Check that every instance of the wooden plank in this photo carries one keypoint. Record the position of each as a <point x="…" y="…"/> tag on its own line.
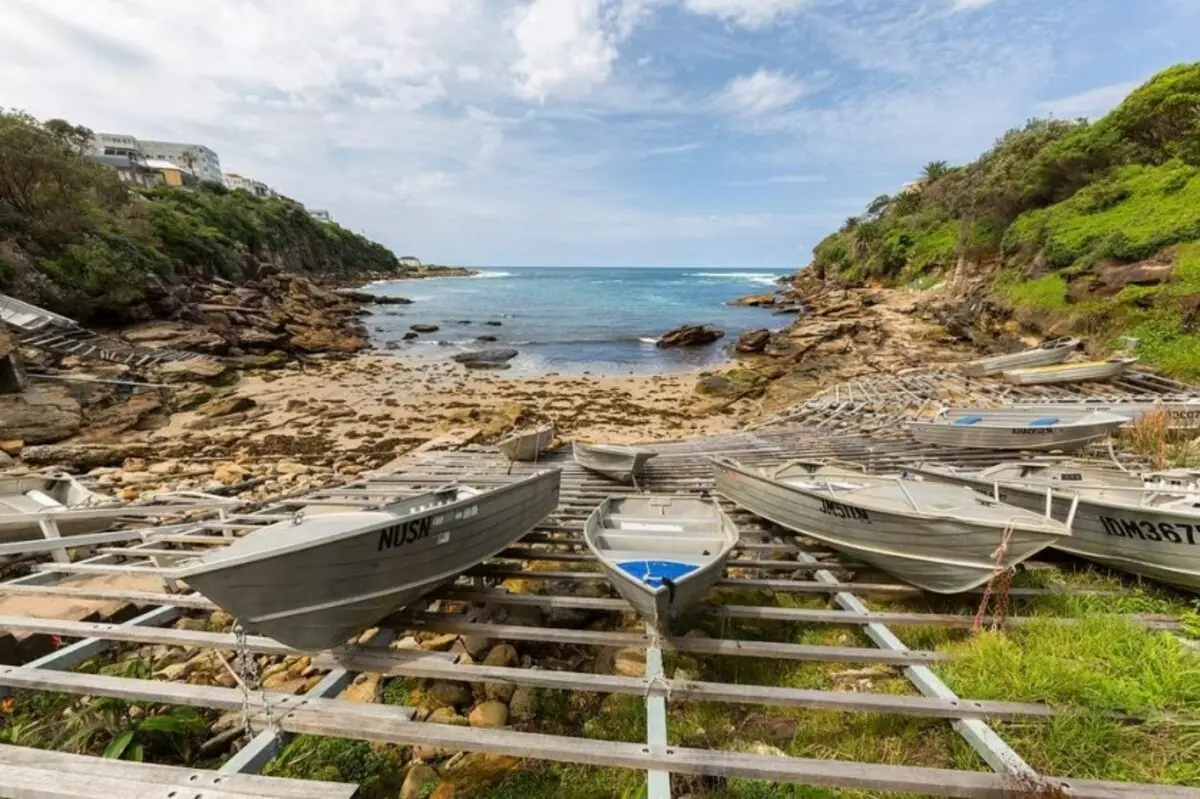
<point x="194" y="601"/>
<point x="383" y="724"/>
<point x="155" y="779"/>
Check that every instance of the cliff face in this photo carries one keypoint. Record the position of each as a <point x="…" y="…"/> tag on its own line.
<point x="75" y="240"/>
<point x="1061" y="227"/>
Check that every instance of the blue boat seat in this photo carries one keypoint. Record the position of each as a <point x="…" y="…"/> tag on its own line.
<point x="1045" y="421"/>
<point x="966" y="420"/>
<point x="653" y="572"/>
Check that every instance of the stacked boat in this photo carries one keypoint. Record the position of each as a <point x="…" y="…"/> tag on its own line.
<point x="317" y="580"/>
<point x="1047" y="353"/>
<point x="944" y="539"/>
<point x="1066" y="428"/>
<point x="1149" y="526"/>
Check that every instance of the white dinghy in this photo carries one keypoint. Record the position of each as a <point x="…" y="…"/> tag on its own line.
<point x="1070" y="372"/>
<point x="620" y="463"/>
<point x="527" y="445"/>
<point x="939" y="538"/>
<point x="1047" y="353"/>
<point x="1066" y="429"/>
<point x="661" y="552"/>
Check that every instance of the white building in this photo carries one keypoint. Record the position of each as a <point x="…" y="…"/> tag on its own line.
<point x="410" y="260"/>
<point x="233" y="180"/>
<point x="116" y="144"/>
<point x="200" y="160"/>
<point x="320" y="214"/>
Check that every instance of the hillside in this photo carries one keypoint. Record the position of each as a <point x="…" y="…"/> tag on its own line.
<point x="76" y="240"/>
<point x="1090" y="228"/>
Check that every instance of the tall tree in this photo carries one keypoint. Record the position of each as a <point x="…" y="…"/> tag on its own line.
<point x="934" y="170"/>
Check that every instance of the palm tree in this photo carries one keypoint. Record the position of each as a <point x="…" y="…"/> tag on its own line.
<point x="849" y="224"/>
<point x="934" y="170"/>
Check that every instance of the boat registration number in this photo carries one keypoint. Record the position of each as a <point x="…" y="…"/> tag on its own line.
<point x="831" y="508"/>
<point x="1032" y="431"/>
<point x="1175" y="533"/>
<point x="404" y="533"/>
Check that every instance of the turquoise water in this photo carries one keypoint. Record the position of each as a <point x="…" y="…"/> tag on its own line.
<point x="570" y="320"/>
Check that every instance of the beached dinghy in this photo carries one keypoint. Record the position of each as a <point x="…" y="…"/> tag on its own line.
<point x="1050" y="352"/>
<point x="25" y="500"/>
<point x="527" y="445"/>
<point x="314" y="582"/>
<point x="1183" y="413"/>
<point x="1070" y="372"/>
<point x="662" y="553"/>
<point x="1148" y="526"/>
<point x="1005" y="428"/>
<point x="939" y="538"/>
<point x="619" y="463"/>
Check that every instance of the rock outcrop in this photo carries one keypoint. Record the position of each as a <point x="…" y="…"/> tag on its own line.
<point x="40" y="415"/>
<point x="690" y="336"/>
<point x="424" y="328"/>
<point x="486" y="359"/>
<point x="753" y="341"/>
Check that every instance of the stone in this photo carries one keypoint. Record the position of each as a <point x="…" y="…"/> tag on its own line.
<point x="471" y="774"/>
<point x="493" y="323"/>
<point x="489" y="714"/>
<point x="258" y="338"/>
<point x="225" y="406"/>
<point x="443" y="693"/>
<point x="491" y="356"/>
<point x="753" y="341"/>
<point x="365" y="688"/>
<point x="5" y="459"/>
<point x="502" y="655"/>
<point x="12" y="446"/>
<point x="440" y="643"/>
<point x="477" y="646"/>
<point x="447" y="715"/>
<point x="690" y="336"/>
<point x="424" y="328"/>
<point x="229" y="473"/>
<point x="134" y="413"/>
<point x="175" y="336"/>
<point x="374" y="299"/>
<point x="486" y="337"/>
<point x="409" y="336"/>
<point x="418" y="781"/>
<point x="755" y="300"/>
<point x="40" y="415"/>
<point x="196" y="370"/>
<point x="81" y="456"/>
<point x="522" y="705"/>
<point x="630" y="662"/>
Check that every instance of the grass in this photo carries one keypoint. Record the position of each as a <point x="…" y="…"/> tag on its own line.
<point x="1047" y="293"/>
<point x="1151" y="437"/>
<point x="377" y="768"/>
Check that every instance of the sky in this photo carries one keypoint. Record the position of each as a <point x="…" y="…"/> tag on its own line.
<point x="584" y="132"/>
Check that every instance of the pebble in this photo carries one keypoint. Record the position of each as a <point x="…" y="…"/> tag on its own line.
<point x="489" y="714"/>
<point x="419" y="779"/>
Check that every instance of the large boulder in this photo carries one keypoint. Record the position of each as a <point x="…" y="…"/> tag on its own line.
<point x="755" y="300"/>
<point x="175" y="336"/>
<point x="196" y="370"/>
<point x="374" y="299"/>
<point x="690" y="336"/>
<point x="140" y="412"/>
<point x="753" y="341"/>
<point x="40" y="415"/>
<point x="424" y="328"/>
<point x="82" y="456"/>
<point x="485" y="358"/>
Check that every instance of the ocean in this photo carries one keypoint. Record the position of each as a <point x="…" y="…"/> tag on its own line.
<point x="574" y="319"/>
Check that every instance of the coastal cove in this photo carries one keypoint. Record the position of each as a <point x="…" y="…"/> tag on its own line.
<point x="603" y="320"/>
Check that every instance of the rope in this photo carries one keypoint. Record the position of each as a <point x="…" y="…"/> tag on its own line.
<point x="997" y="585"/>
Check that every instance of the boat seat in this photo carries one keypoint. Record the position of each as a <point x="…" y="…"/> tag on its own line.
<point x="624" y="522"/>
<point x="622" y="555"/>
<point x="661" y="530"/>
<point x="1045" y="421"/>
<point x="646" y="544"/>
<point x="25" y="504"/>
<point x="968" y="420"/>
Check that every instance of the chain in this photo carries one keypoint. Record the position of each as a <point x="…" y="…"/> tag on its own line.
<point x="248" y="671"/>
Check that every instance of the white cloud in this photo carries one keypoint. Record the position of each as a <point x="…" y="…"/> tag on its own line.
<point x="469" y="73"/>
<point x="760" y="93"/>
<point x="563" y="48"/>
<point x="674" y="149"/>
<point x="1091" y="103"/>
<point x="968" y="5"/>
<point x="747" y="13"/>
<point x="778" y="180"/>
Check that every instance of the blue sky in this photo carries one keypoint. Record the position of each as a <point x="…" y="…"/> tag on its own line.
<point x="580" y="132"/>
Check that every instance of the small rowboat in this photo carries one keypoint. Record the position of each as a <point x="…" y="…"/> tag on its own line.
<point x="1070" y="372"/>
<point x="1047" y="353"/>
<point x="1003" y="428"/>
<point x="1183" y="412"/>
<point x="314" y="582"/>
<point x="662" y="553"/>
<point x="1147" y="525"/>
<point x="76" y="509"/>
<point x="527" y="445"/>
<point x="619" y="463"/>
<point x="939" y="538"/>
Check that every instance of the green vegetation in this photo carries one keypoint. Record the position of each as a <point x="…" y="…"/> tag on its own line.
<point x="75" y="239"/>
<point x="377" y="768"/>
<point x="1054" y="202"/>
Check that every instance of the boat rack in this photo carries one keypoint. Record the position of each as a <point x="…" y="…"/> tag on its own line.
<point x="878" y="402"/>
<point x="790" y="563"/>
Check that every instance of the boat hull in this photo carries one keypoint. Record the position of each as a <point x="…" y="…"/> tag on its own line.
<point x="1139" y="540"/>
<point x="18" y="519"/>
<point x="1068" y="438"/>
<point x="1042" y="356"/>
<point x="526" y="446"/>
<point x="315" y="598"/>
<point x="1181" y="414"/>
<point x="946" y="557"/>
<point x="621" y="464"/>
<point x="1071" y="373"/>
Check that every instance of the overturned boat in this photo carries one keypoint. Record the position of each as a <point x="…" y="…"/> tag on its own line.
<point x="661" y="552"/>
<point x="315" y="581"/>
<point x="527" y="445"/>
<point x="1070" y="372"/>
<point x="1045" y="354"/>
<point x="940" y="538"/>
<point x="1067" y="428"/>
<point x="620" y="463"/>
<point x="1146" y="525"/>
